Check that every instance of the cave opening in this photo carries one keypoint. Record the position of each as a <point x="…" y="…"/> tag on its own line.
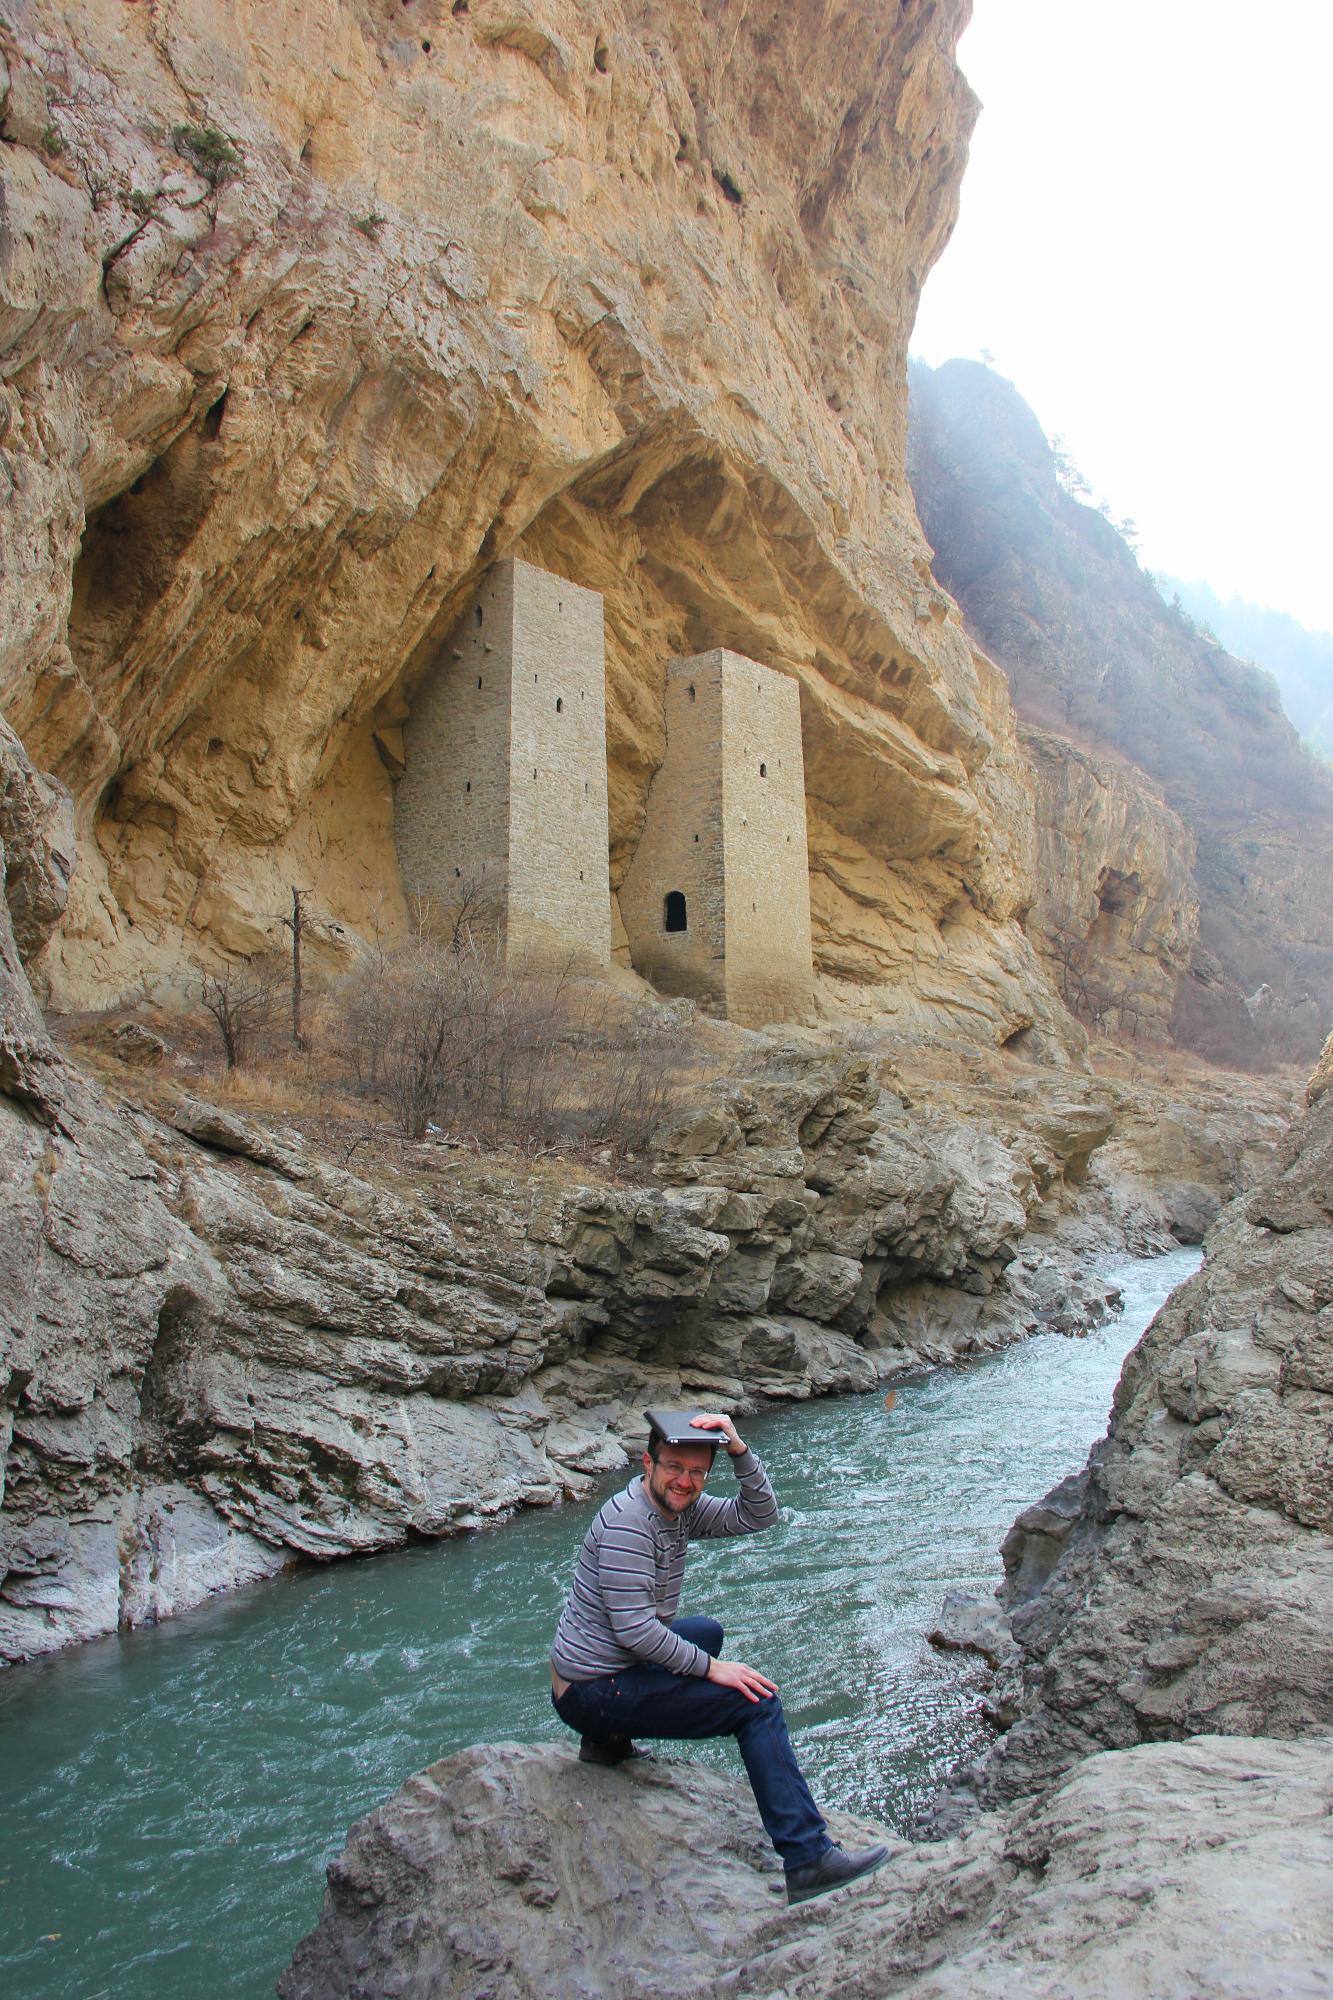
<point x="131" y="553"/>
<point x="211" y="427"/>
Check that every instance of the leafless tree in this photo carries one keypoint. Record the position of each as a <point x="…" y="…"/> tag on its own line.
<point x="240" y="1000"/>
<point x="297" y="924"/>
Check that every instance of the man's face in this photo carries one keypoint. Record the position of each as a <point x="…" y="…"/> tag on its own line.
<point x="676" y="1477"/>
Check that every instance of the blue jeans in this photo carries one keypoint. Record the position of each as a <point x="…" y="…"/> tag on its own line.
<point x="649" y="1701"/>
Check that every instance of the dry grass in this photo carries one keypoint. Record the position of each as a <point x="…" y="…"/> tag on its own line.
<point x="432" y="1063"/>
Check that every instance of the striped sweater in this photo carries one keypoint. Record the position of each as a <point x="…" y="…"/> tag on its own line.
<point x="629" y="1572"/>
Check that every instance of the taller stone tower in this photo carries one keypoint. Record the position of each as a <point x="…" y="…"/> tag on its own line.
<point x="502" y="803"/>
<point x="716" y="904"/>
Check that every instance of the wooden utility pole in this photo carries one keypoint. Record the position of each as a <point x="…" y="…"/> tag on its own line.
<point x="296" y="925"/>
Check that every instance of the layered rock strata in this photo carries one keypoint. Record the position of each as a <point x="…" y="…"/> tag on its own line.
<point x="1116" y="914"/>
<point x="1184" y="1582"/>
<point x="225" y="1352"/>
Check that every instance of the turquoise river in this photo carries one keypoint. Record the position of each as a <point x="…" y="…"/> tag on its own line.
<point x="169" y="1797"/>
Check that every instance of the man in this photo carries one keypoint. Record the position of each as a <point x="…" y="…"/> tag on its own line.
<point x="623" y="1665"/>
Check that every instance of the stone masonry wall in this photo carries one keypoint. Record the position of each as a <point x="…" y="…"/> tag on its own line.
<point x="559" y="872"/>
<point x="725" y="826"/>
<point x="769" y="968"/>
<point x="503" y="799"/>
<point x="681" y="847"/>
<point x="451" y="810"/>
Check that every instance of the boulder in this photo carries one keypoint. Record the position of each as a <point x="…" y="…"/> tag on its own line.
<point x="513" y="1872"/>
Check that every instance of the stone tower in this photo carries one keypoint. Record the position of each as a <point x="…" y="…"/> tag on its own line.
<point x="716" y="903"/>
<point x="502" y="801"/>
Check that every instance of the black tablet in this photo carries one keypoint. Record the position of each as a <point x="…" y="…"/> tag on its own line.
<point x="674" y="1427"/>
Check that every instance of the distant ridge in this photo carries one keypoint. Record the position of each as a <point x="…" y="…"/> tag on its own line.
<point x="1097" y="657"/>
<point x="1299" y="659"/>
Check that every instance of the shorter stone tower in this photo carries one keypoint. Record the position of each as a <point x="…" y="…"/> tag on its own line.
<point x="502" y="803"/>
<point x="716" y="903"/>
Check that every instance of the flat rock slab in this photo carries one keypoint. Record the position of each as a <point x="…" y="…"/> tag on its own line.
<point x="1194" y="1871"/>
<point x="513" y="1870"/>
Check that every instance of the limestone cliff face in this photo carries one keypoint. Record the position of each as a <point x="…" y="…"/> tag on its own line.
<point x="314" y="311"/>
<point x="1116" y="909"/>
<point x="1092" y="652"/>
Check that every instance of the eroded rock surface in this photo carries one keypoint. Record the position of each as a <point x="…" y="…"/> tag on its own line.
<point x="1117" y="910"/>
<point x="225" y="1352"/>
<point x="517" y="1873"/>
<point x="1184" y="1583"/>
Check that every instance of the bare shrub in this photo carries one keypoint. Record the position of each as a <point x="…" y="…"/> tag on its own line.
<point x="447" y="1034"/>
<point x="625" y="1070"/>
<point x="1090" y="990"/>
<point x="240" y="1001"/>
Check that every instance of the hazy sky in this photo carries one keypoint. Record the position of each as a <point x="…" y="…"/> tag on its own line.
<point x="1146" y="249"/>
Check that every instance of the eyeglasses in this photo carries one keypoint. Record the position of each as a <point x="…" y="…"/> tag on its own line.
<point x="675" y="1470"/>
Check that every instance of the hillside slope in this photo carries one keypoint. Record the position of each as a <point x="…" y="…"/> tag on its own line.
<point x="1093" y="653"/>
<point x="1300" y="661"/>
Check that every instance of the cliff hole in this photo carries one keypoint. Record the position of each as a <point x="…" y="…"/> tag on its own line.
<point x="167" y="1398"/>
<point x="132" y="548"/>
<point x="213" y="415"/>
<point x="1117" y="894"/>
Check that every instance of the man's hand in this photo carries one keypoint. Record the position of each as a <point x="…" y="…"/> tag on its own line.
<point x="735" y="1445"/>
<point x="734" y="1674"/>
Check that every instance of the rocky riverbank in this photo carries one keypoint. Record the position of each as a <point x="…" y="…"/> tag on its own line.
<point x="225" y="1351"/>
<point x="1184" y="1582"/>
<point x="1179" y="1590"/>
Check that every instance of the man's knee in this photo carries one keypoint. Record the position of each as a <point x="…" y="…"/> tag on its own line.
<point x="766" y="1713"/>
<point x="705" y="1632"/>
<point x="710" y="1636"/>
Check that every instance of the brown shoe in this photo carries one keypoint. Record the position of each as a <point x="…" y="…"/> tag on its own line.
<point x="833" y="1870"/>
